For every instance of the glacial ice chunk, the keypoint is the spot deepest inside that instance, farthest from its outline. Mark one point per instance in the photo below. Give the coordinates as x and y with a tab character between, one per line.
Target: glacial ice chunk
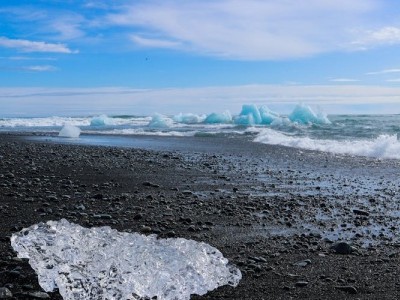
303	114
102	263
160	121
252	113
268	116
245	120
219	118
69	131
101	120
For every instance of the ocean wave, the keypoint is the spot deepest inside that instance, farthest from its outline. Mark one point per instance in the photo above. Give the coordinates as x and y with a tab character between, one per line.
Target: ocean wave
56	121
384	146
43	122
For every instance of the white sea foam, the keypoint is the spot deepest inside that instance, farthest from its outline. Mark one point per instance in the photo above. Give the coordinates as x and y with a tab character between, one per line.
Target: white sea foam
43	122
56	121
141	131
102	263
384	146
189	118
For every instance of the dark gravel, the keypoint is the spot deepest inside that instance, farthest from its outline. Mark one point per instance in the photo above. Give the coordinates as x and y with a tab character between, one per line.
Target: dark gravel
299	224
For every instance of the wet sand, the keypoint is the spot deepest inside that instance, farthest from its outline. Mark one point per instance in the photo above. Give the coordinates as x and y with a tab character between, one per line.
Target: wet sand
275	212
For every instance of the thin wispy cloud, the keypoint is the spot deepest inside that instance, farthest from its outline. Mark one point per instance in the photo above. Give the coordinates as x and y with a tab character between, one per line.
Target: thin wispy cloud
344	80
39	68
388	35
68	27
56	24
154	43
387	71
34	46
393	80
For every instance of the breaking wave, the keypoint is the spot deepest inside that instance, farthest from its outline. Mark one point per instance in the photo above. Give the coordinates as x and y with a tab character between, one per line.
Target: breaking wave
384	146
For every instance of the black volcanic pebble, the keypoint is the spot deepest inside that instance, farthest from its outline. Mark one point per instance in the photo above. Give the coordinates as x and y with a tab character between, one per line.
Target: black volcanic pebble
342	248
348	289
360	212
5	293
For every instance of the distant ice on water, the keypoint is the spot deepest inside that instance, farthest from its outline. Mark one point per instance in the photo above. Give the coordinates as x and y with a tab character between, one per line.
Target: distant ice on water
160	121
102	263
101	120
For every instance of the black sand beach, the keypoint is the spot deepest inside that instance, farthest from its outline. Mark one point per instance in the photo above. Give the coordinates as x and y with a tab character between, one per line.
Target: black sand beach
275	212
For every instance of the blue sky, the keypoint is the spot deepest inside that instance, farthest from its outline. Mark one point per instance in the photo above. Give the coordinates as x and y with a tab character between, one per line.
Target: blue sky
139	57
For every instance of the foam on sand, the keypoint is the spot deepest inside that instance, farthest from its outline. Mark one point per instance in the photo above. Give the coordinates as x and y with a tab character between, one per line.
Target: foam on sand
70	131
384	146
102	263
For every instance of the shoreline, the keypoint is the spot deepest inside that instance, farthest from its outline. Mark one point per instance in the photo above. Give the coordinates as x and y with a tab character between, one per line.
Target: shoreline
251	203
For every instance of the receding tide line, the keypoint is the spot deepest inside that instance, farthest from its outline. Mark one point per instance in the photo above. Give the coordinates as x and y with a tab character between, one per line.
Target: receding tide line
100	262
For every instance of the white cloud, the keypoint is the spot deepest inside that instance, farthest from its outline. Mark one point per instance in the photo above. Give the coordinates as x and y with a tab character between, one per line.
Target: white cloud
252	29
154	43
40	68
388	35
393	80
33	46
96	5
387	71
344	80
68	27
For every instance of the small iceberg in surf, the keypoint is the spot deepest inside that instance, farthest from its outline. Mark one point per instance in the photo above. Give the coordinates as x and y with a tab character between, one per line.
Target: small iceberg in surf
102	120
69	131
253	115
219	118
303	114
160	121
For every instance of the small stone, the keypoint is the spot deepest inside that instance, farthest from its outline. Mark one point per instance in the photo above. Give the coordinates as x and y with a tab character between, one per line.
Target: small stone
145	229
138	217
39	295
348	289
301	283
103	216
98	196
5	293
187	192
150	184
191	228
302	263
342	248
360	212
171	234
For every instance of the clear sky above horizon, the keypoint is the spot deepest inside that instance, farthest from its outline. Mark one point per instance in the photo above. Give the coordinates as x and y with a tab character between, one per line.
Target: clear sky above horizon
139	57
